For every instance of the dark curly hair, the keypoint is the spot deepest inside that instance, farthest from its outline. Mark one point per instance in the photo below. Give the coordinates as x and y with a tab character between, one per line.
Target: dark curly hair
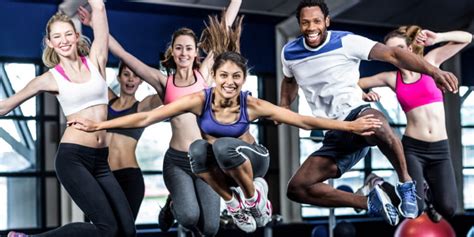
312	3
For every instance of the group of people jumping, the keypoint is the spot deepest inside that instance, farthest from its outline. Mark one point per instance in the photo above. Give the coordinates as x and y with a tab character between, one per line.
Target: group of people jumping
212	154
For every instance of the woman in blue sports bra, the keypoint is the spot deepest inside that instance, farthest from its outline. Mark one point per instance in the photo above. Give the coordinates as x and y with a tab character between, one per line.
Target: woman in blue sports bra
76	77
228	158
186	75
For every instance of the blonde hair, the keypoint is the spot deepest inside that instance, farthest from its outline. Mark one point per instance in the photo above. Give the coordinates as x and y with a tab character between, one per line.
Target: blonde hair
50	57
168	61
409	33
219	38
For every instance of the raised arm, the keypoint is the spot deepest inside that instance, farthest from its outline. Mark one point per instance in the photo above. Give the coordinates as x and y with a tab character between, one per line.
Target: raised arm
190	103
99	49
457	40
150	102
289	91
404	59
231	11
43	83
149	74
229	17
261	108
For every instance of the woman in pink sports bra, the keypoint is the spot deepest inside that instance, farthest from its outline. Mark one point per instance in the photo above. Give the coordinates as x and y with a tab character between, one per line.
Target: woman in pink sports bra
195	205
425	140
76	77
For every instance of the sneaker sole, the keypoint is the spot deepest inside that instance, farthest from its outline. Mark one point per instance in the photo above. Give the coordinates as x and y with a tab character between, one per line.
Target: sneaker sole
386	203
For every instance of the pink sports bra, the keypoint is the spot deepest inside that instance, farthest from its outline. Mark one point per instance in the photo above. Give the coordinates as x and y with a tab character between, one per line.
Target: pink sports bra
416	94
173	92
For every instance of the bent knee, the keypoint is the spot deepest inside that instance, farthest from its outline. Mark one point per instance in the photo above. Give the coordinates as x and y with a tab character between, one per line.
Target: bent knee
295	191
447	210
188	219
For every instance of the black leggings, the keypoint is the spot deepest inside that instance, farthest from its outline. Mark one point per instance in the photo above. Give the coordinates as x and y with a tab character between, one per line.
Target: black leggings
195	205
85	174
431	161
133	185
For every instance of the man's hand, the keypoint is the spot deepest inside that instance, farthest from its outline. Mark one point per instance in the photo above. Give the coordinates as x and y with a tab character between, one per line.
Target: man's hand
446	81
84	16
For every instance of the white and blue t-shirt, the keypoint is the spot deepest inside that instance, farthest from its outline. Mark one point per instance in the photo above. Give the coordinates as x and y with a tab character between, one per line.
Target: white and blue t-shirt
328	74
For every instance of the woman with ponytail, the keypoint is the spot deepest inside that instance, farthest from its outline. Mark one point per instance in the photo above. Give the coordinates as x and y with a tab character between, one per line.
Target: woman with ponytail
425	141
76	77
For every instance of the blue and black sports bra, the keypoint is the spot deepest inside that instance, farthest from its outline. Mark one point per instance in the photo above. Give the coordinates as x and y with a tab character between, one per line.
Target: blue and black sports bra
208	124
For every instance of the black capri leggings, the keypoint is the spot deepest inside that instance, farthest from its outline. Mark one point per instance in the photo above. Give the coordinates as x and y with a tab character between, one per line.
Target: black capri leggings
85	174
228	153
431	161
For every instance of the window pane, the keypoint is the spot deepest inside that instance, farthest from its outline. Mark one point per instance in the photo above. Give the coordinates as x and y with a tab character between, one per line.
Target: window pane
152	146
155	198
389	105
251	84
468	147
307	147
17	150
468	187
18	207
254	131
20	74
467	107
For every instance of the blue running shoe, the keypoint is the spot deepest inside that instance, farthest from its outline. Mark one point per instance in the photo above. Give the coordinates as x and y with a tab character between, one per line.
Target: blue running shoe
407	193
379	204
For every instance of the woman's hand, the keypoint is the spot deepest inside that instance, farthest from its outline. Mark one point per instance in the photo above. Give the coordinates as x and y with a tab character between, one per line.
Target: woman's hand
365	125
84	16
426	38
83	124
371	96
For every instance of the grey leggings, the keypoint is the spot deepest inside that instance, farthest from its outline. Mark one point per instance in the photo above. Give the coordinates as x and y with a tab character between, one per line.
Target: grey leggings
195	205
228	153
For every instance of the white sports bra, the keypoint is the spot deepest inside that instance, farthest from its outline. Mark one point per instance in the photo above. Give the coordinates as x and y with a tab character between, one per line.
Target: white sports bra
74	97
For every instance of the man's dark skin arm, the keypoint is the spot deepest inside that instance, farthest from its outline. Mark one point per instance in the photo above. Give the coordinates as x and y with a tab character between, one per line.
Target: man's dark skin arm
289	91
410	61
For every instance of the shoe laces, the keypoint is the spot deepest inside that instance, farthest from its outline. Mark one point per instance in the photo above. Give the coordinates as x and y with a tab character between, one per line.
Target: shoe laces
408	192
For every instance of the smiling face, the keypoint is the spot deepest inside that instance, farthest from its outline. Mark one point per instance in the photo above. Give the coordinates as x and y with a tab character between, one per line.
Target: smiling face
184	51
128	81
229	78
313	25
62	38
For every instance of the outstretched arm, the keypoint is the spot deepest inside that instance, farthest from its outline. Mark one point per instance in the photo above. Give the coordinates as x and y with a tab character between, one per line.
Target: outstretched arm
99	49
149	74
457	40
404	59
378	80
45	82
289	91
260	108
190	103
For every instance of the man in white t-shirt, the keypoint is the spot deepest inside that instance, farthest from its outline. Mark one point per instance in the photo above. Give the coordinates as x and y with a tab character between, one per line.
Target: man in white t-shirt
325	65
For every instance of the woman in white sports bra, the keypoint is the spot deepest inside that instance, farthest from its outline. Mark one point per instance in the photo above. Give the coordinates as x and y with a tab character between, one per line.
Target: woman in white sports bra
76	77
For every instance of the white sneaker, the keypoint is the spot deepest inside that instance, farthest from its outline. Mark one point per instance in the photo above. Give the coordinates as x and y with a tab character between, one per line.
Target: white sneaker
241	218
262	208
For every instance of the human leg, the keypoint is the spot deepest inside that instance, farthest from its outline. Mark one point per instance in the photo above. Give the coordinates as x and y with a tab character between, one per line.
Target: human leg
132	183
392	148
179	181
